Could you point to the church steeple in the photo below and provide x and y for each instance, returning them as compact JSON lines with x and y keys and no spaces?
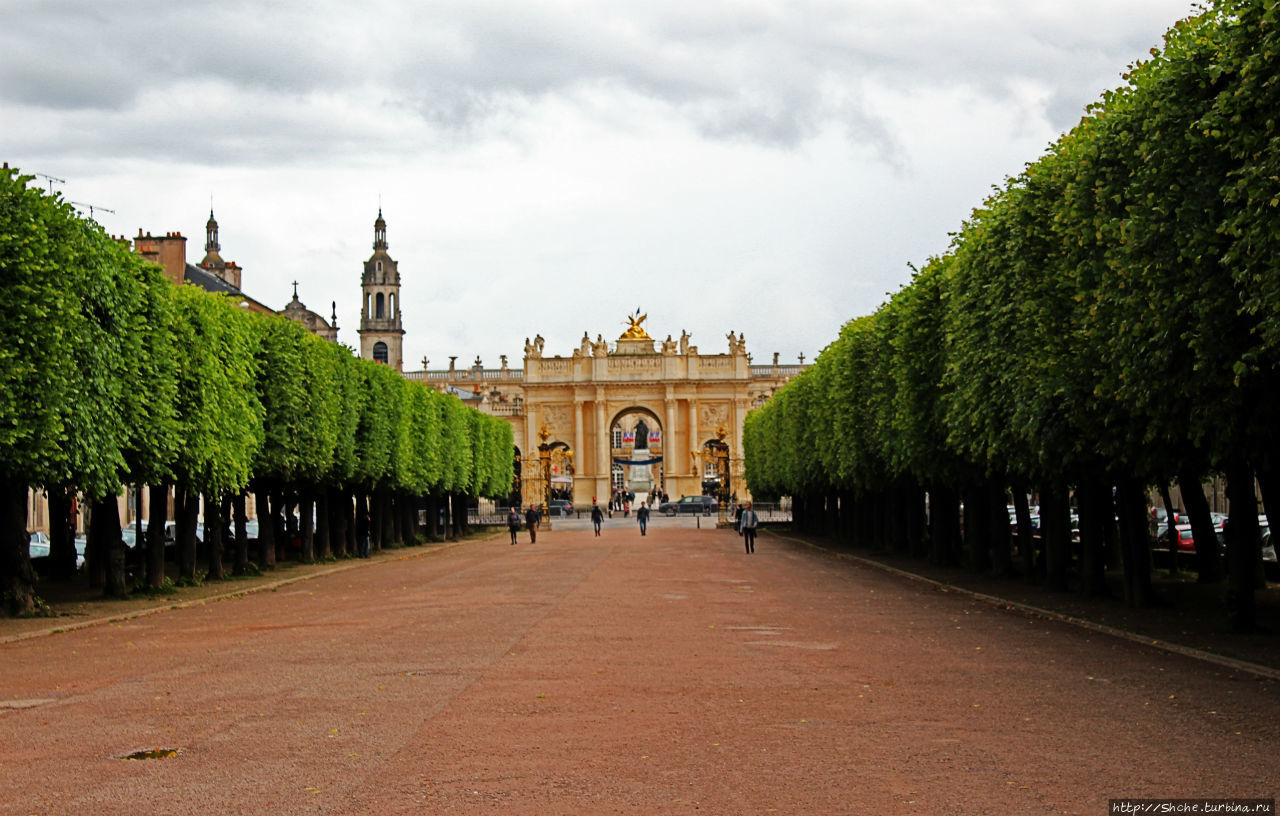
{"x":381,"y":333}
{"x":211,"y":235}
{"x":380,"y":233}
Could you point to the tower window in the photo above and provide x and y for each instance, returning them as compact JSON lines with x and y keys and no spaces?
{"x":380,"y":306}
{"x":379,"y":267}
{"x":380,"y":352}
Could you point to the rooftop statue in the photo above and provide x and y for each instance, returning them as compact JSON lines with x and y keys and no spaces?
{"x":635,"y":331}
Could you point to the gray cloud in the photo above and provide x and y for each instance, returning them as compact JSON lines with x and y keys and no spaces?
{"x":771,"y":73}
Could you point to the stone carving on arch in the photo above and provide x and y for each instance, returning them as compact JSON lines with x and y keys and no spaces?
{"x":558,"y":418}
{"x":713,"y":414}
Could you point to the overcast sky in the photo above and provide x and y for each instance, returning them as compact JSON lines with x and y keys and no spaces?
{"x":764,"y":167}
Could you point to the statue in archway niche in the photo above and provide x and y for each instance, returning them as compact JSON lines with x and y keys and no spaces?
{"x":642,"y":436}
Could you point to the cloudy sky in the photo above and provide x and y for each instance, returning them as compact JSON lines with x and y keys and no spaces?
{"x":548,"y":167}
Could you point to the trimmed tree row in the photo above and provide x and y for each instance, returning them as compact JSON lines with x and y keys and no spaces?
{"x":113,"y":376}
{"x":1107,"y":321}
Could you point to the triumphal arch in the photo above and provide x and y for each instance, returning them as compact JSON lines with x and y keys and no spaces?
{"x":636,"y":413}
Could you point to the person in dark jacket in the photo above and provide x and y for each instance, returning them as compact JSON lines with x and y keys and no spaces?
{"x":597,"y":516}
{"x":531,"y":519}
{"x":747,"y":524}
{"x":513,"y":524}
{"x":642,"y":516}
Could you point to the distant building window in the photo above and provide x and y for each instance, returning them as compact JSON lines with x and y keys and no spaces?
{"x":617,"y":437}
{"x":379,"y":267}
{"x":380,"y":306}
{"x":380,"y":351}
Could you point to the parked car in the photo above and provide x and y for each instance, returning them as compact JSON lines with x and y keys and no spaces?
{"x":39,"y":545}
{"x":560,"y":507}
{"x":1186,"y":541}
{"x":689,"y":505}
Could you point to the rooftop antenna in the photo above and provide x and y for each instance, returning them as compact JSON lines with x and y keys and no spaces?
{"x":51,"y":180}
{"x":91,"y":208}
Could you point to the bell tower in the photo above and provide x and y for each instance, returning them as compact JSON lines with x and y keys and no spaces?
{"x":381,"y":335}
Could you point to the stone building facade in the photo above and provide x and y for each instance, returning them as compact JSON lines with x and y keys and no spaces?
{"x":637,"y":413}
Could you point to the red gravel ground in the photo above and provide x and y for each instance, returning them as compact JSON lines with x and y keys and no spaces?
{"x":620,"y":674}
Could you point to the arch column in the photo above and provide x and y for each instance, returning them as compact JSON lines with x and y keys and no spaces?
{"x":530,"y":430}
{"x":669,"y":451}
{"x":695,"y":438}
{"x":577,"y":433}
{"x":739,"y":419}
{"x":602,"y":439}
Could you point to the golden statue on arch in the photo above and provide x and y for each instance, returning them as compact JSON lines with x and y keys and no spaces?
{"x":635,"y":331}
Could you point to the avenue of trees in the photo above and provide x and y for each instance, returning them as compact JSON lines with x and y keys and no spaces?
{"x":112,"y":376}
{"x":1106,"y":322}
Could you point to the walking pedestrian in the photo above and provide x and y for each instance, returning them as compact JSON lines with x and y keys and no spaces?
{"x":531,"y":518}
{"x":747,"y":524}
{"x":513,"y":524}
{"x":597,"y":516}
{"x":642,"y":516}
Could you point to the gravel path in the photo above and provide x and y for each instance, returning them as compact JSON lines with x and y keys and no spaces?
{"x":620,"y":674}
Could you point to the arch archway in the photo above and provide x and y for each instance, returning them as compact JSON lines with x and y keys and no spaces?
{"x":636,"y":465}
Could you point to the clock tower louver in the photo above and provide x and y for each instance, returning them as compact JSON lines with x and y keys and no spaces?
{"x":381,"y":335}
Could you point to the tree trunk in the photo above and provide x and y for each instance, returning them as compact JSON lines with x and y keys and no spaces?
{"x":62,"y":535}
{"x":976,"y":521}
{"x":1208,"y":559}
{"x":450,"y":517}
{"x":1242,"y":548}
{"x":1267,"y":486}
{"x":363,"y":522}
{"x":280,"y":512}
{"x":1055,"y":527}
{"x":213,"y":535}
{"x":17,"y":578}
{"x":998,"y":531}
{"x":188,"y":507}
{"x":409,"y":519}
{"x":917,"y":521}
{"x":944,"y":524}
{"x":154,"y":559}
{"x":324,"y":527}
{"x":266,"y":530}
{"x":306,"y":521}
{"x":1135,"y":542}
{"x":432,"y":527}
{"x":386,"y":521}
{"x":1171,"y":528}
{"x":395,"y":504}
{"x":106,"y":528}
{"x":1026,"y":536}
{"x":1096,"y":512}
{"x":240,"y":564}
{"x":346,"y":511}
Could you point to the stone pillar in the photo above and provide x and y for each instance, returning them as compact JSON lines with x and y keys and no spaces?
{"x":602,"y":440}
{"x":695,"y":438}
{"x":579,"y":463}
{"x":739,"y":417}
{"x":670,"y":453}
{"x":530,"y":430}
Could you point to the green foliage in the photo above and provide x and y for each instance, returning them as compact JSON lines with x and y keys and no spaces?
{"x":1115,"y":307}
{"x":220,"y":413}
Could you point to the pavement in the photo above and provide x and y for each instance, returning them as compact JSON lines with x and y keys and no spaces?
{"x":670,"y":673}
